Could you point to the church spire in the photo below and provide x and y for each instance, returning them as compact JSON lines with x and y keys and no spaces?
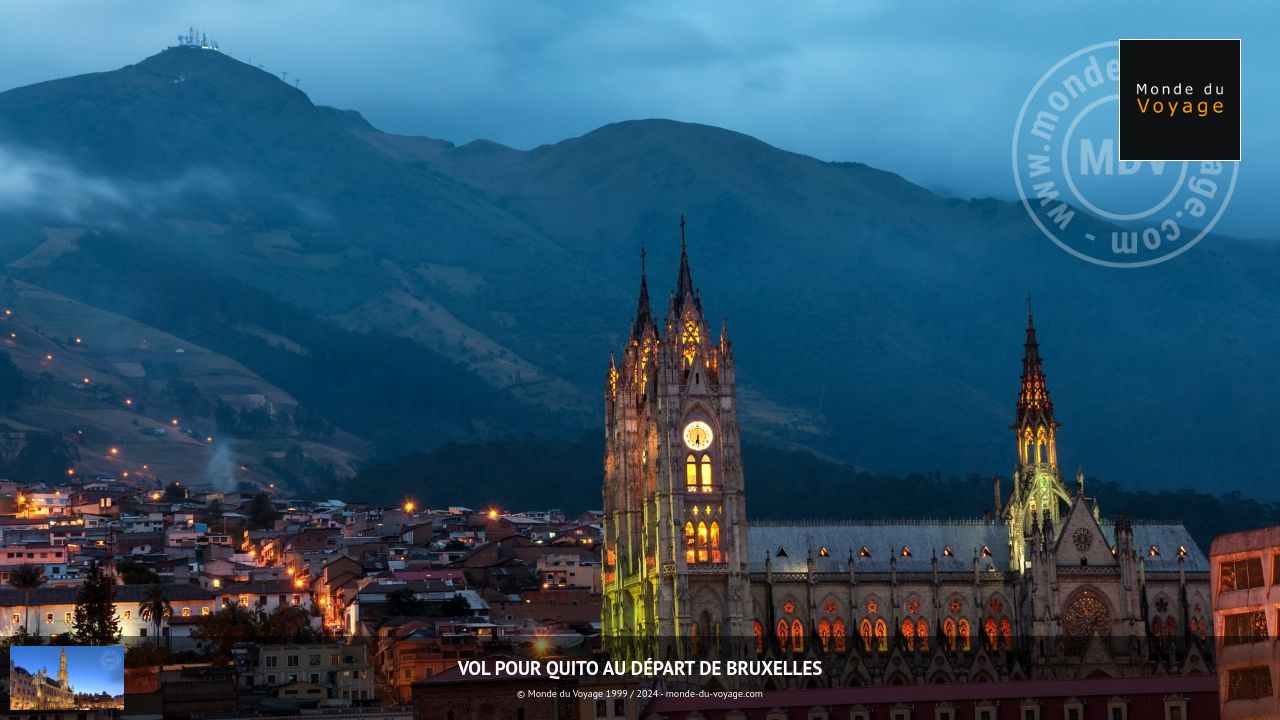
{"x":1034,"y":404}
{"x":685,"y":295}
{"x":644,"y":311}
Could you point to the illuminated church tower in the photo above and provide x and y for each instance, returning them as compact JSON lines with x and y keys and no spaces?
{"x":675,"y":512}
{"x":1039,"y":497}
{"x":64,"y":682}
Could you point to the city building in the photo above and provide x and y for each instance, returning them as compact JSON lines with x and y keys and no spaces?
{"x":1245,"y":575}
{"x":1046,"y":587}
{"x":36,"y":690}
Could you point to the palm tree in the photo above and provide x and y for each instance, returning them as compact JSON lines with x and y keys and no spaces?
{"x":27,"y":577}
{"x":155,"y":608}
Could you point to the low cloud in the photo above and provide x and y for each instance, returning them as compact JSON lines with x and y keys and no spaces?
{"x":39,"y":183}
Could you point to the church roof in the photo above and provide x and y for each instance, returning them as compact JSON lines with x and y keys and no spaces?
{"x":1166,"y":538}
{"x":882,"y":540}
{"x":798,"y":540}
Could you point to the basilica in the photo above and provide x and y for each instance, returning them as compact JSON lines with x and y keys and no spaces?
{"x":1048,"y":587}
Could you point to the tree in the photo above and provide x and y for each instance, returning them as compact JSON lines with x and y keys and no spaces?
{"x":219,"y":632}
{"x":214,"y":511}
{"x":94,"y":621}
{"x":27,"y":577}
{"x":173,"y":493}
{"x":262,"y":514}
{"x":155,"y":609}
{"x":287,"y":624}
{"x":135,"y":573}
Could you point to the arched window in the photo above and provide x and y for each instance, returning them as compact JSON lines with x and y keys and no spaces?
{"x":702,"y":542}
{"x":909,"y":634}
{"x":949,"y":631}
{"x":689,"y":550}
{"x":837,"y":629}
{"x":759,"y":631}
{"x":691,"y":473}
{"x":715,"y":542}
{"x":965,"y":644}
{"x":706,"y":473}
{"x":864,"y":631}
{"x":1157,"y":628}
{"x":991,"y":633}
{"x":784,"y":633}
{"x":922,"y":635}
{"x":1006,"y":632}
{"x":797,"y":636}
{"x":882,"y":635}
{"x":1170,"y":628}
{"x":695,"y":642}
{"x":824,"y":635}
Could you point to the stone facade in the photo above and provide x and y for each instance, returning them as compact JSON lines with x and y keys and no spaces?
{"x":1048,"y":587}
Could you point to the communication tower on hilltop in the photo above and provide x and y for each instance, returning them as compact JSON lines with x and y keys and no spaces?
{"x":193,"y":39}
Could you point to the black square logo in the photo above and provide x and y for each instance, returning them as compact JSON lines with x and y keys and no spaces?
{"x":1179,"y":99}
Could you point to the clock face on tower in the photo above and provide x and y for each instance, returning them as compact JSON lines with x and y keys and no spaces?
{"x":697,"y":435}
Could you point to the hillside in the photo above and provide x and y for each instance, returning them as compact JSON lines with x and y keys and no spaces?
{"x":874,"y":322}
{"x":142,"y":405}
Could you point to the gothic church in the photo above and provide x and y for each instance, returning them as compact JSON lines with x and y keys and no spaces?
{"x":1047,"y":588}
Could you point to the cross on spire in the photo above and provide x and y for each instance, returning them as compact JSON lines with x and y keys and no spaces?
{"x":682,"y":243}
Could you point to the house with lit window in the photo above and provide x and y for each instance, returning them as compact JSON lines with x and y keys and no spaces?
{"x":52,"y":609}
{"x":1245,"y":576}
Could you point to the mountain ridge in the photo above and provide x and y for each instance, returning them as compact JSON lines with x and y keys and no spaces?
{"x":875,"y":321}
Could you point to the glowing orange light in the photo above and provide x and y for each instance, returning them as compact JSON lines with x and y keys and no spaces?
{"x":541,"y":645}
{"x":174,"y":422}
{"x":71,"y":471}
{"x":208,"y":439}
{"x":290,"y":571}
{"x":115,"y":451}
{"x":409,"y":505}
{"x":155,"y":496}
{"x":128,"y":401}
{"x":8,"y":312}
{"x":48,"y":357}
{"x":493,"y":514}
{"x":79,"y":341}
{"x":299,"y":582}
{"x":85,"y":380}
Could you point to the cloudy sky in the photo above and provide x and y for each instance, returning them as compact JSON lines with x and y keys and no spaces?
{"x":926,"y":89}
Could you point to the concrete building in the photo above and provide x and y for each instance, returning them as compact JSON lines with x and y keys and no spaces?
{"x":1244,"y":572}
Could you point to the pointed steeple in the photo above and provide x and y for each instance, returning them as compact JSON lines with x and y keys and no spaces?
{"x":684,"y":292}
{"x":644,"y":310}
{"x":1034,"y":404}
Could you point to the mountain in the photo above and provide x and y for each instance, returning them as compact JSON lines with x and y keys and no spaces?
{"x":875,"y":322}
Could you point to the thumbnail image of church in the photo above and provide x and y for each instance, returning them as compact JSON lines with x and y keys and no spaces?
{"x":1048,"y":587}
{"x":37,"y":691}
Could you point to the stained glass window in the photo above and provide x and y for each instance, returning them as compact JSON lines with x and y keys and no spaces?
{"x":922,"y":635}
{"x":909,"y":635}
{"x":691,"y":474}
{"x":1006,"y":632}
{"x":991,"y":633}
{"x":882,"y":635}
{"x":1087,"y":615}
{"x":702,"y":542}
{"x":715,"y":542}
{"x":784,"y":633}
{"x":837,"y":629}
{"x":706,"y":473}
{"x":759,"y":632}
{"x":864,"y":631}
{"x":797,"y":636}
{"x":965,"y":643}
{"x":949,"y":631}
{"x":824,"y":635}
{"x":689,"y":537}
{"x":830,"y":607}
